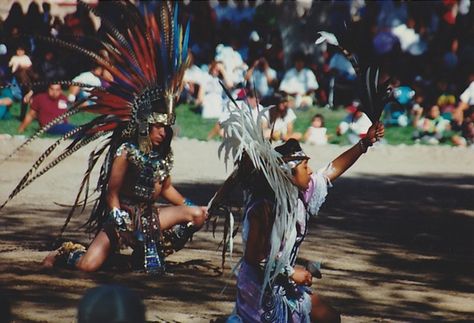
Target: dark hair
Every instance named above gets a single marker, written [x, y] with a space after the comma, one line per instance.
[275, 112]
[253, 180]
[320, 116]
[299, 56]
[288, 148]
[110, 303]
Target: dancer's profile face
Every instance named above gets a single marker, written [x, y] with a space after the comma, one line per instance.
[302, 175]
[157, 133]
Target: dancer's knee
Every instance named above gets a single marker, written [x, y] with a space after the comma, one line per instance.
[198, 216]
[88, 265]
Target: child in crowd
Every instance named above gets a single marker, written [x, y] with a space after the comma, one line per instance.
[316, 134]
[22, 68]
[20, 60]
[431, 128]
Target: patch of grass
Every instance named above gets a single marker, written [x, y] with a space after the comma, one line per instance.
[190, 124]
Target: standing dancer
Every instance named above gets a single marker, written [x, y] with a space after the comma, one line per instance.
[147, 58]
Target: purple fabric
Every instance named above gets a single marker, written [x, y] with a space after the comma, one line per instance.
[276, 307]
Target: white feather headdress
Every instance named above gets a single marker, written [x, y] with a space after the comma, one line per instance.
[243, 134]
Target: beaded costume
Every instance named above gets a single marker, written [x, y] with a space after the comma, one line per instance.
[147, 56]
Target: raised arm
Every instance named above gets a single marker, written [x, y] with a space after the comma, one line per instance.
[117, 176]
[350, 156]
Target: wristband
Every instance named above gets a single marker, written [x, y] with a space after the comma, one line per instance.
[188, 202]
[121, 219]
[364, 144]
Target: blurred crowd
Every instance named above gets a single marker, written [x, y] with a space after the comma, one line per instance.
[427, 49]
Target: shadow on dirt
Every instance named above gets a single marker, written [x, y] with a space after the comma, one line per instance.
[415, 233]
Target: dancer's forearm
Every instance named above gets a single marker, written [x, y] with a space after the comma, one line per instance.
[347, 159]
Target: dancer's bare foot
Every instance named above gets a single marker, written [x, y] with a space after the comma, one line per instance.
[50, 259]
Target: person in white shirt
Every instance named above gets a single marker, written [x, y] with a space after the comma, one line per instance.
[92, 78]
[20, 60]
[354, 125]
[245, 98]
[281, 120]
[261, 76]
[193, 79]
[211, 94]
[300, 82]
[234, 66]
[466, 99]
[22, 68]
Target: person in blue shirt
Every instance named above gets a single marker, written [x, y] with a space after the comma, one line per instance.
[6, 101]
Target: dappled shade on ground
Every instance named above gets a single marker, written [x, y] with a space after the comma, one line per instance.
[394, 247]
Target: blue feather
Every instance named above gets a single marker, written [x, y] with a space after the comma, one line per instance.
[185, 44]
[176, 39]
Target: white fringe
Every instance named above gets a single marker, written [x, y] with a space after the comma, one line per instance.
[244, 134]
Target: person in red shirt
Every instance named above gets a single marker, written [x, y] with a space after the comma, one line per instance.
[45, 107]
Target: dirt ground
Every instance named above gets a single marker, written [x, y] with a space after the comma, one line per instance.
[395, 237]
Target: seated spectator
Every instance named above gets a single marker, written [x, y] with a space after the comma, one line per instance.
[111, 303]
[45, 107]
[432, 127]
[92, 78]
[20, 61]
[417, 106]
[211, 94]
[22, 68]
[354, 125]
[50, 67]
[192, 80]
[316, 134]
[233, 64]
[445, 100]
[280, 120]
[245, 98]
[466, 137]
[300, 82]
[262, 77]
[466, 99]
[395, 113]
[6, 101]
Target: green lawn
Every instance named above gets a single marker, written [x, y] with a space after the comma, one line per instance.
[190, 124]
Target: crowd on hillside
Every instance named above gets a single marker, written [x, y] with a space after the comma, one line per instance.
[426, 49]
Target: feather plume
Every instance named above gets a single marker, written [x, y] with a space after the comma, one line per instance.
[373, 94]
[244, 136]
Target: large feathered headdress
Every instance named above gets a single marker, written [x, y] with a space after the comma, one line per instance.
[147, 57]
